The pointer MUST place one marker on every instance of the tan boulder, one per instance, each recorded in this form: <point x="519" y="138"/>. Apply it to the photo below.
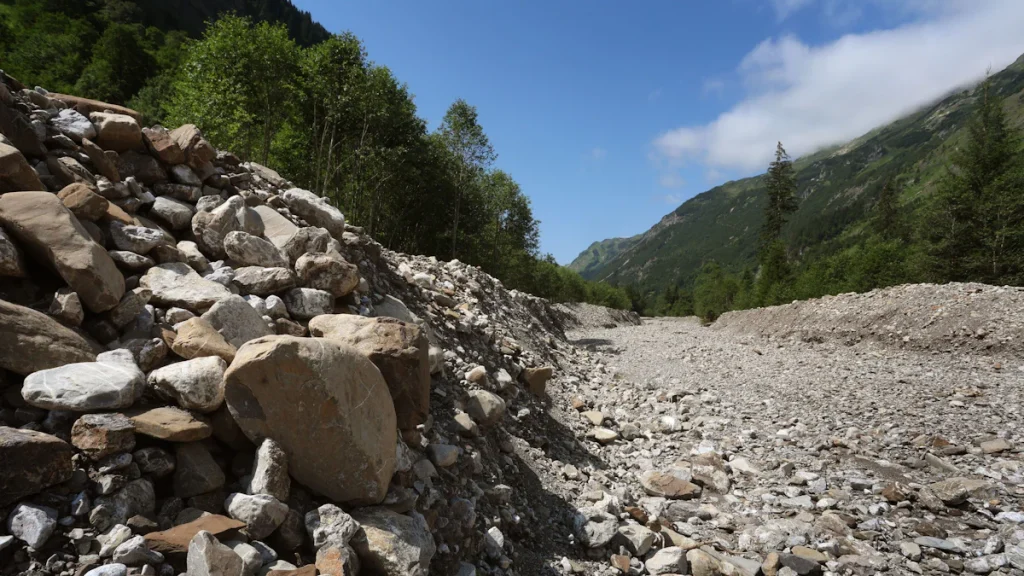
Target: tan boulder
<point x="197" y="338"/>
<point x="118" y="132"/>
<point x="326" y="405"/>
<point x="197" y="150"/>
<point x="15" y="172"/>
<point x="31" y="341"/>
<point x="397" y="349"/>
<point x="536" y="379"/>
<point x="158" y="140"/>
<point x="44" y="227"/>
<point x="83" y="202"/>
<point x="86" y="106"/>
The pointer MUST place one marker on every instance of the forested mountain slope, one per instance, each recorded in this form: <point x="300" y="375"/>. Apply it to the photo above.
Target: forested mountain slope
<point x="837" y="188"/>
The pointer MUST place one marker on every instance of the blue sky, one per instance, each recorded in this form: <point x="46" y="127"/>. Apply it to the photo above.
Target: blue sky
<point x="610" y="113"/>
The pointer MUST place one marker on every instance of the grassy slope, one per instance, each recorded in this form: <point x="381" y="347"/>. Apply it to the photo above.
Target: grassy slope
<point x="600" y="252"/>
<point x="837" y="188"/>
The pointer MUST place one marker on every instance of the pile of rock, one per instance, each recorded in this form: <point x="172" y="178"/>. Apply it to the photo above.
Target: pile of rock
<point x="204" y="368"/>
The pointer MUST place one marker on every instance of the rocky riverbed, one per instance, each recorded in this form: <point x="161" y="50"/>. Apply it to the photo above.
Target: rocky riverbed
<point x="760" y="446"/>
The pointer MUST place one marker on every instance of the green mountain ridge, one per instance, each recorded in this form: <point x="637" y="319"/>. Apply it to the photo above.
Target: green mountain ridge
<point x="837" y="187"/>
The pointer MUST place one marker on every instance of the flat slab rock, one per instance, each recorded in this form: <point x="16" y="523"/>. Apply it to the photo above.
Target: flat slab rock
<point x="31" y="341"/>
<point x="176" y="540"/>
<point x="171" y="424"/>
<point x="177" y="284"/>
<point x="109" y="383"/>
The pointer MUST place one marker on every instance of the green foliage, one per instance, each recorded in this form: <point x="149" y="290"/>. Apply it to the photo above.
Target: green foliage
<point x="714" y="292"/>
<point x="237" y="85"/>
<point x="119" y="65"/>
<point x="780" y="185"/>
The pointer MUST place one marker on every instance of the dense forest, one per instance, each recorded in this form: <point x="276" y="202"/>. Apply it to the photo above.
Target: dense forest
<point x="971" y="228"/>
<point x="267" y="83"/>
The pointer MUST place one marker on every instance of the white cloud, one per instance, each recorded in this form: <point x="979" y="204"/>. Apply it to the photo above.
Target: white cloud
<point x="784" y="8"/>
<point x="672" y="199"/>
<point x="813" y="96"/>
<point x="598" y="153"/>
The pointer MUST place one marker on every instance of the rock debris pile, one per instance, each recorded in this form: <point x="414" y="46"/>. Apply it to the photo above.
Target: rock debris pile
<point x="205" y="370"/>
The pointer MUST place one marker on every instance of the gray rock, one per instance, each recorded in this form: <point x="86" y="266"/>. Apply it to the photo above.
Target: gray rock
<point x="308" y="240"/>
<point x="196" y="384"/>
<point x="484" y="407"/>
<point x="307" y="303"/>
<point x="196" y="472"/>
<point x="138" y="239"/>
<point x="250" y="556"/>
<point x="394" y="544"/>
<point x="637" y="539"/>
<point x="154" y="461"/>
<point x="329" y="523"/>
<point x="12" y="263"/>
<point x="32" y="524"/>
<point x="596" y="528"/>
<point x="177" y="284"/>
<point x="73" y="125"/>
<point x="264" y="281"/>
<point x="671" y="560"/>
<point x="182" y="174"/>
<point x="208" y="557"/>
<point x="193" y="256"/>
<point x="66" y="306"/>
<point x="329" y="272"/>
<point x="261" y="513"/>
<point x="270" y="474"/>
<point x="131" y="261"/>
<point x="236" y="320"/>
<point x="250" y="250"/>
<point x="315" y="210"/>
<point x="277" y="228"/>
<point x="211" y="228"/>
<point x="112" y="538"/>
<point x="137" y="497"/>
<point x="135" y="552"/>
<point x="175" y="213"/>
<point x="110" y="383"/>
<point x="109" y="570"/>
<point x="443" y="455"/>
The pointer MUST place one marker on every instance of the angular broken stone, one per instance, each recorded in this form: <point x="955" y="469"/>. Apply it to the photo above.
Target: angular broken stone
<point x="101" y="435"/>
<point x="32" y="524"/>
<point x="110" y="383"/>
<point x="236" y="320"/>
<point x="196" y="384"/>
<point x="393" y="543"/>
<point x="195" y="471"/>
<point x="328" y="523"/>
<point x="118" y="132"/>
<point x="264" y="281"/>
<point x="177" y="284"/>
<point x="486" y="408"/>
<point x="249" y="250"/>
<point x="31" y="462"/>
<point x="261" y="513"/>
<point x="307" y="303"/>
<point x="270" y="473"/>
<point x="197" y="338"/>
<point x="208" y="557"/>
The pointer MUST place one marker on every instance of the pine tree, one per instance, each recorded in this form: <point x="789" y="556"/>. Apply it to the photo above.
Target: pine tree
<point x="780" y="182"/>
<point x="975" y="227"/>
<point x="887" y="216"/>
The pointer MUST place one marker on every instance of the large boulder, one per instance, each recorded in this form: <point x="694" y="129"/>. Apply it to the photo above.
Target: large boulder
<point x="111" y="382"/>
<point x="196" y="384"/>
<point x="277" y="228"/>
<point x="212" y="227"/>
<point x="397" y="349"/>
<point x="15" y="172"/>
<point x="118" y="132"/>
<point x="73" y="125"/>
<point x="31" y="341"/>
<point x="315" y="210"/>
<point x="177" y="284"/>
<point x="196" y="149"/>
<point x="326" y="405"/>
<point x="250" y="250"/>
<point x="30" y="462"/>
<point x="393" y="543"/>
<point x="43" y="226"/>
<point x="328" y="272"/>
<point x="159" y="142"/>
